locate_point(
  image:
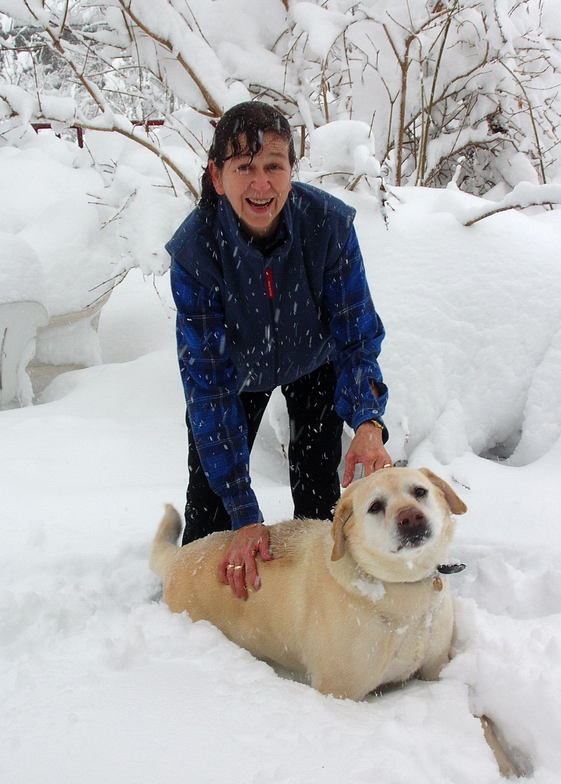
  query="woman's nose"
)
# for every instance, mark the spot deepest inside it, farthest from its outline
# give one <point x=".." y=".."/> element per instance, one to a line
<point x="260" y="181"/>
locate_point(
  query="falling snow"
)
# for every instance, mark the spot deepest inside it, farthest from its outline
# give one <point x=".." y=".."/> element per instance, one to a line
<point x="101" y="683"/>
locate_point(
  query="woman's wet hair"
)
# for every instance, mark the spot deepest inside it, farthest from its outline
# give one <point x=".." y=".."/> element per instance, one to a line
<point x="250" y="120"/>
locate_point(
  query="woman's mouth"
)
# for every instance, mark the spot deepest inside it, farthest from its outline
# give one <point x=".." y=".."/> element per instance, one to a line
<point x="259" y="204"/>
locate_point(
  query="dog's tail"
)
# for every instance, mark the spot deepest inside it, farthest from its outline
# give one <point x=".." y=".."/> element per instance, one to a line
<point x="164" y="546"/>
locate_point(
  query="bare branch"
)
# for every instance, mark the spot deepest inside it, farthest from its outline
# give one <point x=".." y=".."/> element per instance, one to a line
<point x="495" y="211"/>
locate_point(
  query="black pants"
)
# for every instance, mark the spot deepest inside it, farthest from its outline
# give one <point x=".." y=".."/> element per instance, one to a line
<point x="313" y="455"/>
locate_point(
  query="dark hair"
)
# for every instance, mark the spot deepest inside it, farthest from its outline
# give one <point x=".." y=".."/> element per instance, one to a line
<point x="252" y="119"/>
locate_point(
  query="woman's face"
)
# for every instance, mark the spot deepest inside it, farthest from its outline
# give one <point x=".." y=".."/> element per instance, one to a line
<point x="258" y="187"/>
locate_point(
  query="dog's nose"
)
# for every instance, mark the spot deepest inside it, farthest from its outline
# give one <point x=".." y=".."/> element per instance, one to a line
<point x="412" y="526"/>
<point x="410" y="518"/>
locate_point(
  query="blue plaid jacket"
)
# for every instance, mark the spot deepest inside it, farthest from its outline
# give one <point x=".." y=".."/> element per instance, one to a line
<point x="253" y="318"/>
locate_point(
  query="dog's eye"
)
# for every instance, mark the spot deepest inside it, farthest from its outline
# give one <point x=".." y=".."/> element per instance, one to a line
<point x="420" y="492"/>
<point x="376" y="507"/>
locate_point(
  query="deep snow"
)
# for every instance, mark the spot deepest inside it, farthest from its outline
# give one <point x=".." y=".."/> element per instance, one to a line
<point x="101" y="683"/>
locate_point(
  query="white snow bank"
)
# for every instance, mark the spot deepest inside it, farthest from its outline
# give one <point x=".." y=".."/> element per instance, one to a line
<point x="71" y="222"/>
<point x="33" y="180"/>
<point x="472" y="318"/>
<point x="74" y="257"/>
<point x="21" y="275"/>
<point x="100" y="682"/>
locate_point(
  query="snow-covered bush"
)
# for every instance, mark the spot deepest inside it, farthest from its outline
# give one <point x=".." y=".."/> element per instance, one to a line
<point x="419" y="92"/>
<point x="82" y="226"/>
<point x="436" y="81"/>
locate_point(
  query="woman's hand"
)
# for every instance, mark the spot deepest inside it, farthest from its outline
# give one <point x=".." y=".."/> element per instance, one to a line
<point x="238" y="568"/>
<point x="368" y="449"/>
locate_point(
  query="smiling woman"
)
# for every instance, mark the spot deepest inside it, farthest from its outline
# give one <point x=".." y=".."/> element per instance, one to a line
<point x="256" y="185"/>
<point x="270" y="291"/>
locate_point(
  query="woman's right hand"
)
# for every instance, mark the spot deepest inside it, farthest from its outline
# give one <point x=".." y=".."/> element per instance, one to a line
<point x="238" y="567"/>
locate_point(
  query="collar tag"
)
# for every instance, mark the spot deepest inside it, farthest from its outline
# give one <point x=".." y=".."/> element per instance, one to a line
<point x="437" y="583"/>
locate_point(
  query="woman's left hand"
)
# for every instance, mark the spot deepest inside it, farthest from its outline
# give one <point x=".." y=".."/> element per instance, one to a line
<point x="367" y="449"/>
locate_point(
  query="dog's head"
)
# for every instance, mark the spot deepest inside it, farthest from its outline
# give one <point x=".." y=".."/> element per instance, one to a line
<point x="396" y="523"/>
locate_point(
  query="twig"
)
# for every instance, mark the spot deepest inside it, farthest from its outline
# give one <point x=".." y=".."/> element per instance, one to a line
<point x="532" y="118"/>
<point x="122" y="275"/>
<point x="120" y="210"/>
<point x="510" y="207"/>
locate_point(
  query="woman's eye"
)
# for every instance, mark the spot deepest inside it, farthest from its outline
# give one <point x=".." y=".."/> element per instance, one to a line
<point x="420" y="492"/>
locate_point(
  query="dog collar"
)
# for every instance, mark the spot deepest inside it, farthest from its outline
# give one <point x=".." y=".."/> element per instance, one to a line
<point x="435" y="578"/>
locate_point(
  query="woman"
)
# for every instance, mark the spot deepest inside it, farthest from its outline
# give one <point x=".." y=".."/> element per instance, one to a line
<point x="270" y="291"/>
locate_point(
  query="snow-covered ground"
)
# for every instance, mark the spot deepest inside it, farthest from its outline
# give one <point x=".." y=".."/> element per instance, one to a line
<point x="101" y="684"/>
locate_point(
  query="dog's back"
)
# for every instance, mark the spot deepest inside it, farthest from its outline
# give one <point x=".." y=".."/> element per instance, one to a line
<point x="264" y="624"/>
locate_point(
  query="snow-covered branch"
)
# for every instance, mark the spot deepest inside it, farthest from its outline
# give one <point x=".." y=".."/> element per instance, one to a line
<point x="524" y="195"/>
<point x="213" y="102"/>
<point x="433" y="81"/>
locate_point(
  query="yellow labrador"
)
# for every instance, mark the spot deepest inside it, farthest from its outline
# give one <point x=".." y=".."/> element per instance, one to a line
<point x="352" y="606"/>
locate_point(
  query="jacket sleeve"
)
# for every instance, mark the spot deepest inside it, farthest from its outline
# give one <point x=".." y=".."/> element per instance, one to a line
<point x="214" y="408"/>
<point x="358" y="332"/>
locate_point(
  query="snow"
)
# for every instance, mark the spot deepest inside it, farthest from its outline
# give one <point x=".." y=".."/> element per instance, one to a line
<point x="472" y="318"/>
<point x="21" y="275"/>
<point x="322" y="26"/>
<point x="524" y="194"/>
<point x="344" y="145"/>
<point x="70" y="229"/>
<point x="17" y="100"/>
<point x="100" y="682"/>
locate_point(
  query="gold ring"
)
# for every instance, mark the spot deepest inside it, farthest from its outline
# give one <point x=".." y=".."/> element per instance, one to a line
<point x="239" y="566"/>
<point x="387" y="465"/>
<point x="229" y="566"/>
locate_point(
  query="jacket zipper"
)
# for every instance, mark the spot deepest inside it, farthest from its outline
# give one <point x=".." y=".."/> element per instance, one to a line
<point x="270" y="291"/>
<point x="269" y="285"/>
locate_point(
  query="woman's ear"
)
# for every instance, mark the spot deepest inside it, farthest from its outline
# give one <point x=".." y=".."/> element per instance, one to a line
<point x="216" y="177"/>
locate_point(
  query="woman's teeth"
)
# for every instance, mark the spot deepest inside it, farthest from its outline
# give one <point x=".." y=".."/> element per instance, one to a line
<point x="260" y="202"/>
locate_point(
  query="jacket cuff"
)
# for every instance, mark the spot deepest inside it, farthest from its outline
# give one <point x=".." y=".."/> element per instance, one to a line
<point x="243" y="509"/>
<point x="363" y="416"/>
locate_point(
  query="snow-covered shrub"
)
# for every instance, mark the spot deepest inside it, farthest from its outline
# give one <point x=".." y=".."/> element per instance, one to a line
<point x="421" y="92"/>
<point x="436" y="81"/>
<point x="83" y="225"/>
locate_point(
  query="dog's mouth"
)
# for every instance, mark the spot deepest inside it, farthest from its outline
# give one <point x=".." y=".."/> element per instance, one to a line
<point x="414" y="539"/>
<point x="411" y="544"/>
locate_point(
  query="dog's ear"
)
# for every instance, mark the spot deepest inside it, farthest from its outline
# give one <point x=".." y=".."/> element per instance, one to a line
<point x="455" y="503"/>
<point x="343" y="512"/>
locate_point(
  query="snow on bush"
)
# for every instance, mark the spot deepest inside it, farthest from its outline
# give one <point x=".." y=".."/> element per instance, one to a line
<point x="473" y="318"/>
<point x="73" y="224"/>
<point x="437" y="82"/>
<point x="21" y="274"/>
<point x="486" y="330"/>
<point x="344" y="146"/>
